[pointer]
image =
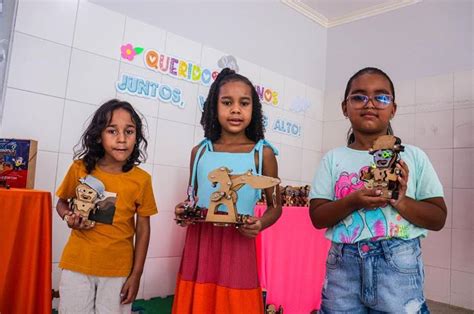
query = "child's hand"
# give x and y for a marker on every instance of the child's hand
(130, 289)
(75, 221)
(403, 184)
(179, 209)
(367, 199)
(251, 228)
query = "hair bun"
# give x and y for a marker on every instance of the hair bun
(224, 72)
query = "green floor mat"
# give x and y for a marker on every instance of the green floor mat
(153, 306)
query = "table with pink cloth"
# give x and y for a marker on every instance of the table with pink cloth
(292, 261)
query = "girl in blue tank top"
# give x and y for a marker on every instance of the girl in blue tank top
(218, 272)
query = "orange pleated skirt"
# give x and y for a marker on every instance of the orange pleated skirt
(218, 273)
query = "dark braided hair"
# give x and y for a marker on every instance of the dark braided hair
(209, 121)
(368, 70)
(90, 148)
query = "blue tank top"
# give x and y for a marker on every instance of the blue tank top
(240, 163)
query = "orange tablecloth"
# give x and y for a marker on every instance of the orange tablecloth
(292, 261)
(25, 251)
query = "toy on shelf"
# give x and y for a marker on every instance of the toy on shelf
(226, 195)
(383, 173)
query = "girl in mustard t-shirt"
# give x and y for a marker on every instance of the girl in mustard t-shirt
(101, 267)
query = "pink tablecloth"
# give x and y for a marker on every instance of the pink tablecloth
(292, 261)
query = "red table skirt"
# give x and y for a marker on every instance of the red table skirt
(292, 261)
(25, 251)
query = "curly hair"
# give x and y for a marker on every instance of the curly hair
(209, 120)
(90, 148)
(368, 70)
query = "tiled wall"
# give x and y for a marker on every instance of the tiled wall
(436, 114)
(65, 62)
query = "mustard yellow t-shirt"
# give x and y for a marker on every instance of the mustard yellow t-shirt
(107, 250)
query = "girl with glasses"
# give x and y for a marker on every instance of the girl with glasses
(374, 264)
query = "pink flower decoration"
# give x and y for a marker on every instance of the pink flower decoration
(128, 52)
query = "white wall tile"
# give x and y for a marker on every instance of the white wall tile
(405, 93)
(64, 162)
(189, 93)
(462, 256)
(448, 199)
(210, 58)
(436, 287)
(38, 65)
(143, 35)
(294, 91)
(170, 185)
(150, 125)
(335, 134)
(463, 215)
(312, 134)
(437, 248)
(462, 289)
(463, 176)
(46, 164)
(167, 238)
(173, 150)
(198, 136)
(92, 78)
(183, 48)
(295, 119)
(33, 116)
(332, 105)
(276, 83)
(147, 106)
(57, 27)
(442, 161)
(273, 114)
(464, 127)
(160, 276)
(404, 127)
(76, 118)
(289, 162)
(434, 129)
(249, 70)
(435, 89)
(309, 165)
(99, 30)
(61, 234)
(463, 87)
(316, 100)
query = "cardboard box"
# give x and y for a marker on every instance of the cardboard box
(18, 162)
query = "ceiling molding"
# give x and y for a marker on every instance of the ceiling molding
(353, 16)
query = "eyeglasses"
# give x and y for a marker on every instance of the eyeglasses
(380, 101)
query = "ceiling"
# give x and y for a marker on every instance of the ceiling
(329, 13)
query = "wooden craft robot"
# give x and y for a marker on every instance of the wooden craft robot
(383, 173)
(88, 192)
(226, 195)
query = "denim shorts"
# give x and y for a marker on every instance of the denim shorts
(385, 276)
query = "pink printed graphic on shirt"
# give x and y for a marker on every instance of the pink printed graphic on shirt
(349, 229)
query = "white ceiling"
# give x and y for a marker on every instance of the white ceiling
(330, 13)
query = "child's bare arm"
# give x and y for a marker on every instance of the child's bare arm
(429, 213)
(130, 287)
(254, 225)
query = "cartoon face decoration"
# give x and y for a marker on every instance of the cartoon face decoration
(383, 158)
(85, 193)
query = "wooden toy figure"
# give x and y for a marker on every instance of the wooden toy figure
(383, 173)
(226, 195)
(88, 192)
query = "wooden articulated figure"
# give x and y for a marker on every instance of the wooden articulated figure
(88, 192)
(227, 193)
(383, 173)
